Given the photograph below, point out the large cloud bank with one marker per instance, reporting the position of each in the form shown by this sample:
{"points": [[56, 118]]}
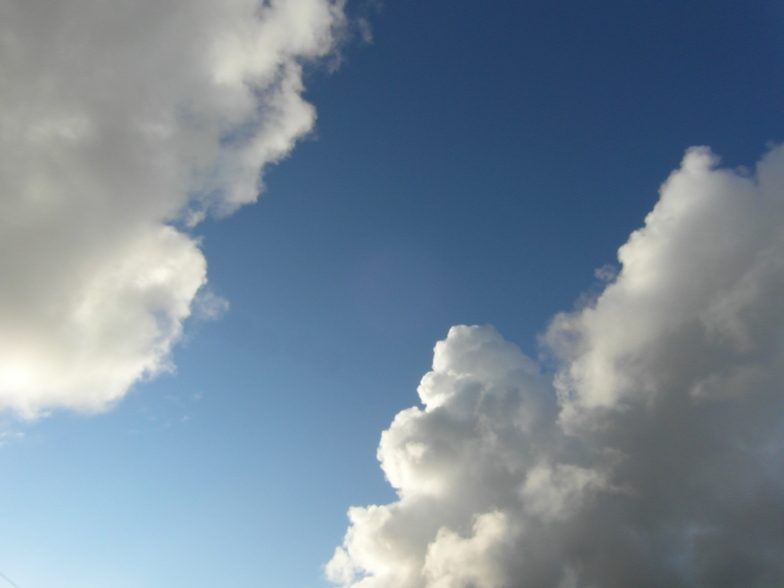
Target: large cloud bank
{"points": [[655, 455], [120, 120]]}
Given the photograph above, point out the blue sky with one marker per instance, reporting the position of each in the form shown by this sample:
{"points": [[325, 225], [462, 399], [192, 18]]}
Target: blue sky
{"points": [[472, 164]]}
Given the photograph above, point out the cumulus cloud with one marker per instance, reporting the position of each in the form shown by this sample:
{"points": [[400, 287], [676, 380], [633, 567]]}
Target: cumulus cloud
{"points": [[122, 124], [653, 456]]}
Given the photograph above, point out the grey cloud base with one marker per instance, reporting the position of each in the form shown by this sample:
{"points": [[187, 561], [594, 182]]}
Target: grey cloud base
{"points": [[654, 456]]}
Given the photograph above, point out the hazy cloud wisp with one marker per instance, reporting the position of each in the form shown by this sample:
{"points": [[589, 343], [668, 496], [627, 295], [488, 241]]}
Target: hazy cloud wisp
{"points": [[118, 122], [653, 457]]}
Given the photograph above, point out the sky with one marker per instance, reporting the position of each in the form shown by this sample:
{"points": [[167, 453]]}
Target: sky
{"points": [[525, 256]]}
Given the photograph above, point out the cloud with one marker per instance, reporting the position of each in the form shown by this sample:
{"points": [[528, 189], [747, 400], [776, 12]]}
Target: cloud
{"points": [[120, 121], [653, 456]]}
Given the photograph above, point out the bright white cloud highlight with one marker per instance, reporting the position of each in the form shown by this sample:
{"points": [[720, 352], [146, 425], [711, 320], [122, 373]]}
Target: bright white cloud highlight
{"points": [[118, 119], [655, 454]]}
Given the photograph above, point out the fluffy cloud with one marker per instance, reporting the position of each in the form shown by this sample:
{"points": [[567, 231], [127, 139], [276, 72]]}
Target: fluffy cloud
{"points": [[118, 122], [654, 456]]}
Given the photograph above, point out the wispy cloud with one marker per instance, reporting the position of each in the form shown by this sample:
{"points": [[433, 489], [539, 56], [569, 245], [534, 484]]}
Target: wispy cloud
{"points": [[652, 457], [120, 121]]}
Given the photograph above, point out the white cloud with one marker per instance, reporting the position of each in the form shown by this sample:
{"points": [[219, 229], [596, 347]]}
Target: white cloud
{"points": [[697, 294], [118, 119], [653, 457], [556, 492], [453, 561]]}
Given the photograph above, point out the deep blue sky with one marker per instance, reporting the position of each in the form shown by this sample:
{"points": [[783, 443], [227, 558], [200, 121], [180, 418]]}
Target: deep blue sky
{"points": [[475, 163]]}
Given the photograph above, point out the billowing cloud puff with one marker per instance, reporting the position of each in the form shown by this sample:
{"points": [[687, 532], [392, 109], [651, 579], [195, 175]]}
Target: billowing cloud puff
{"points": [[120, 120], [654, 456]]}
